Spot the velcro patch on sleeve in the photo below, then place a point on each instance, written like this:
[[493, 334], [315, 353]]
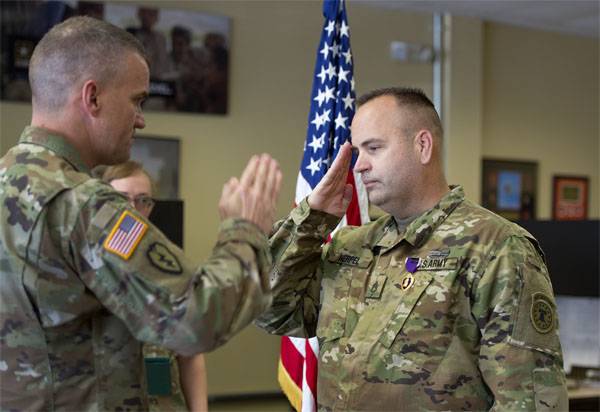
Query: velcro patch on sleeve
[[125, 235]]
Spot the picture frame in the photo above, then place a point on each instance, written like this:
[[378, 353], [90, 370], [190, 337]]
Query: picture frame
[[509, 188], [188, 50], [160, 158], [570, 197]]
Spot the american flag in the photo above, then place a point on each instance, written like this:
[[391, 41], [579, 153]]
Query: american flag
[[331, 112], [125, 235]]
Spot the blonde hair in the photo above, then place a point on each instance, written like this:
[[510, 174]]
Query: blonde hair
[[124, 170]]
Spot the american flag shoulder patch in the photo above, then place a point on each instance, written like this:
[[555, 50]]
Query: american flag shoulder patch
[[125, 235]]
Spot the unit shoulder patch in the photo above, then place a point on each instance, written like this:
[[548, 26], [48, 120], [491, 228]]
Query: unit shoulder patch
[[542, 313], [163, 259]]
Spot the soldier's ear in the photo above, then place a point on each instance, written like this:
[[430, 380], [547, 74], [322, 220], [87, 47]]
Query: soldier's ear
[[89, 98], [423, 144]]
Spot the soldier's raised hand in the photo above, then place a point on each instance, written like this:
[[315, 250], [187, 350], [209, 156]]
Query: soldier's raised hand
[[254, 195], [333, 194]]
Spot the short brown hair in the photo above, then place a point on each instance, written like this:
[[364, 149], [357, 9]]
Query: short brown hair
[[72, 51], [413, 99]]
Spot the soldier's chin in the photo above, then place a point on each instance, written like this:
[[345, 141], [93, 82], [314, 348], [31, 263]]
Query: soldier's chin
[[376, 200], [118, 158], [373, 198]]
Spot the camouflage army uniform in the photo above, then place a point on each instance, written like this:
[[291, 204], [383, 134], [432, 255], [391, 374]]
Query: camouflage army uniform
[[72, 311], [471, 325]]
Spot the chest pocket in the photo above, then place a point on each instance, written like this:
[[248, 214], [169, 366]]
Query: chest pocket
[[341, 281], [408, 300]]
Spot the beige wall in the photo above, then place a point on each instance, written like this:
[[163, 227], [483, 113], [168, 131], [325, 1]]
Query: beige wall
[[272, 56], [462, 102], [541, 104]]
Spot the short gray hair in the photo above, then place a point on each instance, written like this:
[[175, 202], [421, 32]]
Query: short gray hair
[[72, 52]]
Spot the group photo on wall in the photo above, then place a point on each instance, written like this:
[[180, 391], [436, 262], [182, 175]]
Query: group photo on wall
[[188, 51]]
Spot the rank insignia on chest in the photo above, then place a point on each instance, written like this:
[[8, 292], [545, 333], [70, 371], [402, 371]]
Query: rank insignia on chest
[[542, 313], [348, 260], [125, 235], [375, 288]]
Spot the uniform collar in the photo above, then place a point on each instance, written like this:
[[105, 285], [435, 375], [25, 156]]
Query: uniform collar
[[56, 143], [421, 228]]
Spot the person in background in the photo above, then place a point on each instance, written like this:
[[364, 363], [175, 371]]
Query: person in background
[[188, 374], [155, 46], [439, 304], [216, 73], [154, 42], [93, 9], [189, 64], [84, 277]]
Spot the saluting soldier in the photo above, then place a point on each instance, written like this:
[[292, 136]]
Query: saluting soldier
[[84, 277], [438, 305]]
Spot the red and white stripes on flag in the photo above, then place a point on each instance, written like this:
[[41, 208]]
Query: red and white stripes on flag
[[331, 112], [297, 371]]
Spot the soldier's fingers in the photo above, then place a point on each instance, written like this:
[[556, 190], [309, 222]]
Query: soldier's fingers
[[234, 183], [340, 166], [271, 181], [228, 187], [271, 192], [348, 192], [262, 173], [226, 195], [249, 172], [277, 186]]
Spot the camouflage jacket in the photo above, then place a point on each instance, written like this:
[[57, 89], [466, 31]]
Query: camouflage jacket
[[454, 313], [84, 278]]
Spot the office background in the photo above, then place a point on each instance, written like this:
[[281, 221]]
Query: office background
[[510, 92]]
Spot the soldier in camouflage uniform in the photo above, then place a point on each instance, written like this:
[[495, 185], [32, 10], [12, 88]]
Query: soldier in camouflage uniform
[[84, 277], [438, 305], [174, 382]]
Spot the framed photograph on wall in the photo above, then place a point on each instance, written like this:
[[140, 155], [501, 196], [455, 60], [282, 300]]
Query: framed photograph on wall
[[188, 50], [160, 157], [509, 188], [570, 197]]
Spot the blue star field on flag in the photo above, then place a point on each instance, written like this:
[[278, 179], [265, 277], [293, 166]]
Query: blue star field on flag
[[332, 99], [331, 112]]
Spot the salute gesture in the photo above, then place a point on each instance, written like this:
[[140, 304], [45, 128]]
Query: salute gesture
[[254, 196], [333, 195]]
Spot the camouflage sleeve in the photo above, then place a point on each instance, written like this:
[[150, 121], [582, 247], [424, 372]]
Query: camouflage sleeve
[[154, 289], [296, 245], [520, 356]]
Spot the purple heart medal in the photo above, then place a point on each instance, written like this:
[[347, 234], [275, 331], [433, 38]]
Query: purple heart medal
[[411, 265]]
